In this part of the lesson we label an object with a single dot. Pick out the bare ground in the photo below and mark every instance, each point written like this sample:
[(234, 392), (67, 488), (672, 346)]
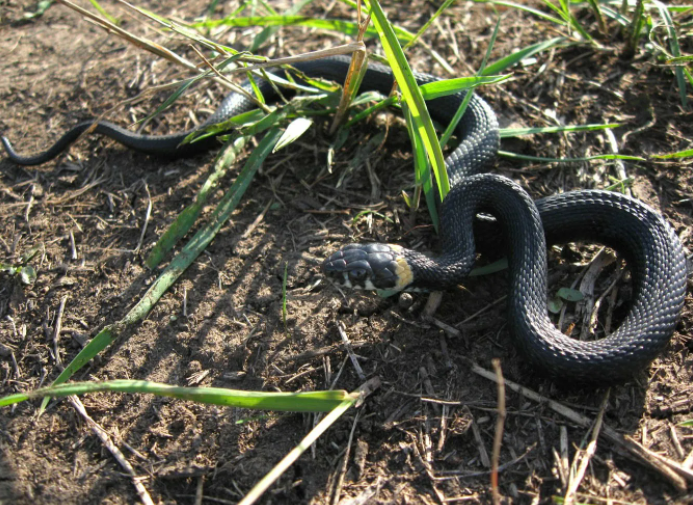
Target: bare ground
[(59, 69)]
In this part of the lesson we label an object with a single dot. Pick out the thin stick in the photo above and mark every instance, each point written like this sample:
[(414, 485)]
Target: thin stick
[(350, 351), (498, 438), (106, 441), (147, 215), (345, 462), (669, 469), (56, 330), (585, 457)]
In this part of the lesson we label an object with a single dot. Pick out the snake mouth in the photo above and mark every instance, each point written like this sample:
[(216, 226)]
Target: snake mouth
[(369, 267)]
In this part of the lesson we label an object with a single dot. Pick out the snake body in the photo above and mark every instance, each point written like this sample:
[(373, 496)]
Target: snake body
[(650, 246)]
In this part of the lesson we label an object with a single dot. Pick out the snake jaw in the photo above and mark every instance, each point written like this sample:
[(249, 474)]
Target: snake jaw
[(375, 267)]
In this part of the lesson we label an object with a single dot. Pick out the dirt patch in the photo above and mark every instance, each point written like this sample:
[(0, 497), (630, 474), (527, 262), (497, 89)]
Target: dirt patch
[(59, 69)]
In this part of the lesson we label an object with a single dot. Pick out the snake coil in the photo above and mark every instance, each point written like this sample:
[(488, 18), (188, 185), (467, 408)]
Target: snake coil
[(649, 244)]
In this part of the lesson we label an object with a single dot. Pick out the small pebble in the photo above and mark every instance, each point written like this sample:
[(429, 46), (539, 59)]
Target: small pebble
[(405, 301)]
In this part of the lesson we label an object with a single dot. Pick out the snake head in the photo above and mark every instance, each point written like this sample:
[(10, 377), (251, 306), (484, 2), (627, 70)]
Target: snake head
[(380, 267)]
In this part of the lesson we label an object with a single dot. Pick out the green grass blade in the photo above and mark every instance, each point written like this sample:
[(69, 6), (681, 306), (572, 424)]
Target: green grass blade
[(103, 12), (564, 12), (679, 154), (516, 132), (313, 401), (185, 220), (450, 129), (515, 156), (531, 10), (349, 28), (422, 170), (675, 49), (491, 268), (594, 4), (447, 87), (256, 492), (615, 15), (620, 185), (428, 23), (265, 34), (355, 399), (412, 96), (236, 122), (680, 59), (387, 102), (635, 28), (187, 83), (500, 65), (180, 263)]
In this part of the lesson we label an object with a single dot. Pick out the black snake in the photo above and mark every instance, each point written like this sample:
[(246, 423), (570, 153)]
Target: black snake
[(650, 246)]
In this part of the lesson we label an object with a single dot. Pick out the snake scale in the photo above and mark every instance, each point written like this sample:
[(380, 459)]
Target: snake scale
[(649, 244)]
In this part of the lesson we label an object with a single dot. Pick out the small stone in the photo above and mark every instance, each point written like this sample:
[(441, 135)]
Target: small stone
[(405, 301)]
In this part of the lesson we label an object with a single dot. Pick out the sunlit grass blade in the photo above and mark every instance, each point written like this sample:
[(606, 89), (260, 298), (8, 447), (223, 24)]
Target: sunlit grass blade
[(675, 49), (313, 401), (679, 154), (594, 5), (185, 220), (412, 96), (349, 28), (265, 34), (563, 10), (680, 59), (500, 65), (635, 28), (245, 123), (515, 156), (615, 15), (179, 264), (450, 128), (387, 102), (437, 89), (428, 23), (187, 83), (517, 132), (308, 441), (526, 8), (620, 185), (422, 171)]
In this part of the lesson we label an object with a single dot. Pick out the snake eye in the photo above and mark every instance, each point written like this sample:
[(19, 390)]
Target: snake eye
[(358, 273)]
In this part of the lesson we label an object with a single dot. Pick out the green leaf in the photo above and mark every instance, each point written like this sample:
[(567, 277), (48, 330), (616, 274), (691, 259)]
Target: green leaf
[(41, 9), (571, 295), (555, 305), (27, 275)]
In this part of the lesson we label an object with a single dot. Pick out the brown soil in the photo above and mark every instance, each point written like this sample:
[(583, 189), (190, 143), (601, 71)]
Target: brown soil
[(59, 69)]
